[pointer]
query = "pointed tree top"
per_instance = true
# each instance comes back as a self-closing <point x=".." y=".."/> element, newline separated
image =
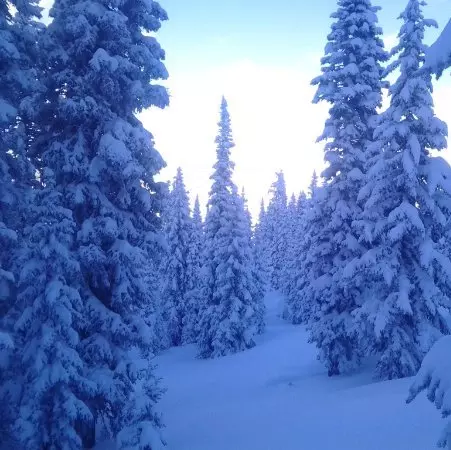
<point x="278" y="191"/>
<point x="244" y="199"/>
<point x="178" y="179"/>
<point x="224" y="114"/>
<point x="222" y="175"/>
<point x="411" y="48"/>
<point x="197" y="216"/>
<point x="224" y="138"/>
<point x="313" y="184"/>
<point x="262" y="211"/>
<point x="179" y="192"/>
<point x="280" y="178"/>
<point x="302" y="199"/>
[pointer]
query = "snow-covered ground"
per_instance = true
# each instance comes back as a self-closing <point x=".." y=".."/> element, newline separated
<point x="277" y="396"/>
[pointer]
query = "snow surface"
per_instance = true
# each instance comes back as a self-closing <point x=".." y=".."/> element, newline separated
<point x="278" y="396"/>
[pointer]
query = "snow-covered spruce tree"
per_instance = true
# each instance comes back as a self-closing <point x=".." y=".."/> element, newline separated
<point x="256" y="283"/>
<point x="275" y="220"/>
<point x="288" y="229"/>
<point x="49" y="314"/>
<point x="300" y="205"/>
<point x="8" y="234"/>
<point x="260" y="247"/>
<point x="158" y="313"/>
<point x="351" y="84"/>
<point x="292" y="208"/>
<point x="19" y="81"/>
<point x="314" y="185"/>
<point x="246" y="212"/>
<point x="102" y="60"/>
<point x="294" y="257"/>
<point x="299" y="306"/>
<point x="175" y="265"/>
<point x="434" y="373"/>
<point x="228" y="318"/>
<point x="194" y="276"/>
<point x="407" y="201"/>
<point x="259" y="290"/>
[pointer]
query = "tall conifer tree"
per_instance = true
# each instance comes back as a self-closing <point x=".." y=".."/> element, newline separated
<point x="195" y="261"/>
<point x="351" y="83"/>
<point x="19" y="83"/>
<point x="407" y="203"/>
<point x="228" y="323"/>
<point x="175" y="267"/>
<point x="260" y="247"/>
<point x="275" y="223"/>
<point x="101" y="61"/>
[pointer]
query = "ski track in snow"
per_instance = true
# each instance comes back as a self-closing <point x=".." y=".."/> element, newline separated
<point x="277" y="396"/>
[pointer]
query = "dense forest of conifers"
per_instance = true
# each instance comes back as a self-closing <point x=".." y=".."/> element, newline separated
<point x="102" y="267"/>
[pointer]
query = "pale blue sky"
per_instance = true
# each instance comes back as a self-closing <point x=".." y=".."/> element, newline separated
<point x="201" y="33"/>
<point x="262" y="55"/>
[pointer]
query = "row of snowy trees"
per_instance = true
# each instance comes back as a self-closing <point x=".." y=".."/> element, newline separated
<point x="363" y="259"/>
<point x="79" y="224"/>
<point x="90" y="287"/>
<point x="212" y="290"/>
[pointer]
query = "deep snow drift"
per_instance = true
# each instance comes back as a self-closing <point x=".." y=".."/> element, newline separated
<point x="276" y="396"/>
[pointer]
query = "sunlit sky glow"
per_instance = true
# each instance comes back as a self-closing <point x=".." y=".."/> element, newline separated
<point x="261" y="55"/>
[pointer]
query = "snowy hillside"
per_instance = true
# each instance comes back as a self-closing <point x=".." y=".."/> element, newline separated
<point x="277" y="396"/>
